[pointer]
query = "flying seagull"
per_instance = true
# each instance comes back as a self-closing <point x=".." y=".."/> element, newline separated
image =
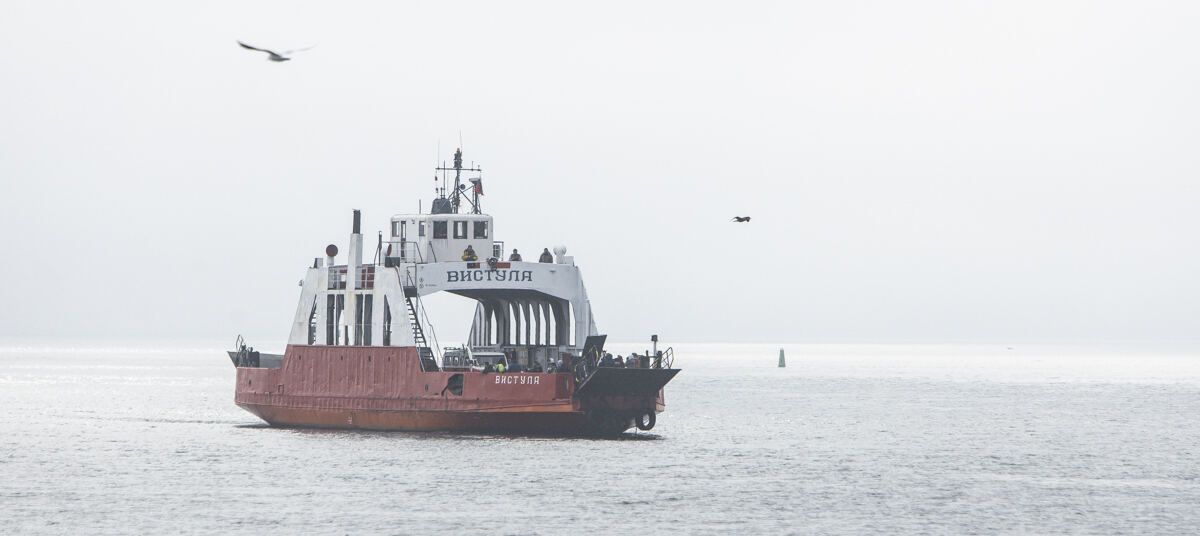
<point x="741" y="219"/>
<point x="275" y="56"/>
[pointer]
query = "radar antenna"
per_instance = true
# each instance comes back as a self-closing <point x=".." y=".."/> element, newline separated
<point x="456" y="193"/>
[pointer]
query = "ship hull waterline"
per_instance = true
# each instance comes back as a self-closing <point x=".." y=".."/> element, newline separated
<point x="524" y="423"/>
<point x="384" y="389"/>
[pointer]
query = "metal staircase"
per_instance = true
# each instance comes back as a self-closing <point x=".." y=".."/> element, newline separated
<point x="412" y="300"/>
<point x="418" y="333"/>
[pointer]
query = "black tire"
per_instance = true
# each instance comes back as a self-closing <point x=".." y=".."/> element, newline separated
<point x="646" y="420"/>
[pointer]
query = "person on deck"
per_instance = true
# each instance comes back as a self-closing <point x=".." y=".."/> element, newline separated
<point x="546" y="256"/>
<point x="469" y="254"/>
<point x="620" y="363"/>
<point x="515" y="256"/>
<point x="500" y="367"/>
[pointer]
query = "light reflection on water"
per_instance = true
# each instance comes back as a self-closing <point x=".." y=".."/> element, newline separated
<point x="846" y="439"/>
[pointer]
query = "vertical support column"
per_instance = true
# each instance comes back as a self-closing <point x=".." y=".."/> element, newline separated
<point x="321" y="297"/>
<point x="515" y="308"/>
<point x="537" y="323"/>
<point x="552" y="336"/>
<point x="507" y="322"/>
<point x="562" y="325"/>
<point x="582" y="312"/>
<point x="509" y="333"/>
<point x="496" y="310"/>
<point x="476" y="325"/>
<point x="353" y="261"/>
<point x="376" y="320"/>
<point x="488" y="322"/>
<point x="528" y="322"/>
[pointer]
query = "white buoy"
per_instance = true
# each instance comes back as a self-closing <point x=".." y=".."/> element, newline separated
<point x="782" y="361"/>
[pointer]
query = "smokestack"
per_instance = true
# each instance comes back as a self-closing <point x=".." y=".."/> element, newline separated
<point x="357" y="221"/>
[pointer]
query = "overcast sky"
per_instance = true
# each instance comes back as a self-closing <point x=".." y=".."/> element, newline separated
<point x="916" y="171"/>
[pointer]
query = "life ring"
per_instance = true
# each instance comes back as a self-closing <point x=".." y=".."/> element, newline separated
<point x="646" y="420"/>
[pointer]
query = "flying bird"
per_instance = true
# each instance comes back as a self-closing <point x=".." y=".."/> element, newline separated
<point x="741" y="219"/>
<point x="275" y="56"/>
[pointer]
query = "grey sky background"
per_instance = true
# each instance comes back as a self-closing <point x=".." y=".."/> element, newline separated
<point x="925" y="171"/>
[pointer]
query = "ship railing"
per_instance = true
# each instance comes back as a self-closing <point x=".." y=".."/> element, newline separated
<point x="590" y="361"/>
<point x="409" y="277"/>
<point x="337" y="278"/>
<point x="666" y="359"/>
<point x="434" y="347"/>
<point x="366" y="278"/>
<point x="364" y="281"/>
<point x="403" y="251"/>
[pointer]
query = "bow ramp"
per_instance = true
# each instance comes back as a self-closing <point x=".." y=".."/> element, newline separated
<point x="606" y="381"/>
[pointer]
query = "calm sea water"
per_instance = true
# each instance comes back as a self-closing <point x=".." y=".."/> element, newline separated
<point x="845" y="440"/>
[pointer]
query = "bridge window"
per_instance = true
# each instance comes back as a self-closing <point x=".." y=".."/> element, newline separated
<point x="395" y="228"/>
<point x="439" y="229"/>
<point x="421" y="229"/>
<point x="460" y="229"/>
<point x="481" y="229"/>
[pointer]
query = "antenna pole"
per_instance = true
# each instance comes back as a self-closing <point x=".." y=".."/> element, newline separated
<point x="457" y="174"/>
<point x="456" y="193"/>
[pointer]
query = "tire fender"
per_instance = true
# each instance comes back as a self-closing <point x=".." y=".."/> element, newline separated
<point x="645" y="421"/>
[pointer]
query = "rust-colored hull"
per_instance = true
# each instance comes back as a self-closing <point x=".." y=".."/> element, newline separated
<point x="505" y="422"/>
<point x="384" y="388"/>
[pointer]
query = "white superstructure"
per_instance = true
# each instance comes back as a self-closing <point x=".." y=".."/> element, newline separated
<point x="532" y="311"/>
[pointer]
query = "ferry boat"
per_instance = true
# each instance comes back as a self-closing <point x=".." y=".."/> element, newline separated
<point x="362" y="353"/>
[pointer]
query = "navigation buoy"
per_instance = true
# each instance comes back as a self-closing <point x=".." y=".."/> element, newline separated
<point x="782" y="361"/>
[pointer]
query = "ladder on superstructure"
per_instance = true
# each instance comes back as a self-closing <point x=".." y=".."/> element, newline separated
<point x="418" y="334"/>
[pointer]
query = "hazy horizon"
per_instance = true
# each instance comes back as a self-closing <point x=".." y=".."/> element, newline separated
<point x="997" y="173"/>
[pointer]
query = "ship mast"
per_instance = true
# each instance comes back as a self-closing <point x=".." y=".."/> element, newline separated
<point x="456" y="194"/>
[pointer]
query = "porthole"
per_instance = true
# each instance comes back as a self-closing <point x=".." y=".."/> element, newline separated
<point x="249" y="382"/>
<point x="427" y="387"/>
<point x="368" y="359"/>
